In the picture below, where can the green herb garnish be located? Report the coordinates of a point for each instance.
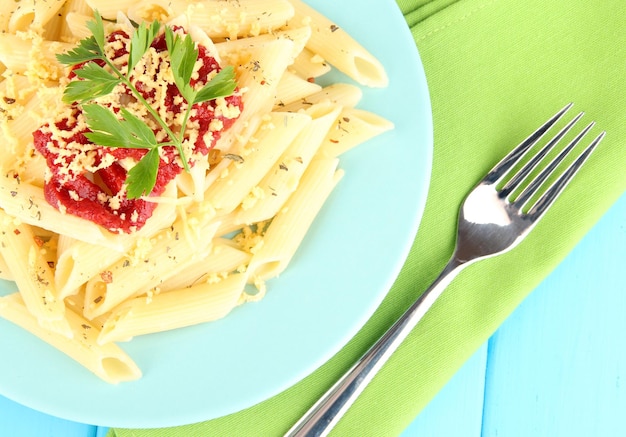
(107, 129)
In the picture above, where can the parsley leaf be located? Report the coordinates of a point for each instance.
(97, 29)
(222, 85)
(183, 57)
(108, 130)
(127, 130)
(140, 43)
(139, 130)
(142, 177)
(87, 50)
(97, 82)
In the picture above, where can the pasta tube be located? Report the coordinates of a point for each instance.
(353, 127)
(31, 271)
(268, 197)
(288, 228)
(336, 46)
(246, 170)
(201, 303)
(107, 361)
(152, 262)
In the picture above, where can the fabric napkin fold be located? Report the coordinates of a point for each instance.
(496, 70)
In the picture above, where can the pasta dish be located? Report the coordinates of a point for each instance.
(162, 160)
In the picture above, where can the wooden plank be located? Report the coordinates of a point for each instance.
(457, 409)
(556, 367)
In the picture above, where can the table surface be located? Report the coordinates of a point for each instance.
(554, 368)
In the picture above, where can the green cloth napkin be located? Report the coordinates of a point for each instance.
(496, 69)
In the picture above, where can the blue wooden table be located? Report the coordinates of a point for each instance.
(556, 367)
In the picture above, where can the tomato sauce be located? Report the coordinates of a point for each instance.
(87, 180)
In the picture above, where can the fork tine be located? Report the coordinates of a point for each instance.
(557, 188)
(524, 171)
(499, 171)
(532, 188)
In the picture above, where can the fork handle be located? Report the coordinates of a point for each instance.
(326, 412)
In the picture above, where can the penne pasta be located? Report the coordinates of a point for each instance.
(224, 258)
(79, 263)
(259, 71)
(340, 93)
(6, 9)
(245, 171)
(336, 46)
(292, 88)
(18, 53)
(5, 271)
(288, 228)
(32, 13)
(74, 16)
(107, 361)
(76, 26)
(240, 176)
(268, 197)
(310, 65)
(150, 10)
(19, 131)
(33, 275)
(200, 303)
(34, 170)
(353, 127)
(233, 20)
(109, 8)
(298, 36)
(149, 263)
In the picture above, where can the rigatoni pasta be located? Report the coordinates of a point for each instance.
(232, 222)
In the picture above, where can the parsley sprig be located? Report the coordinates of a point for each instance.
(130, 131)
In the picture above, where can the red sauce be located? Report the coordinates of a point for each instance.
(87, 180)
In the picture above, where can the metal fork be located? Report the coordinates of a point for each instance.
(493, 219)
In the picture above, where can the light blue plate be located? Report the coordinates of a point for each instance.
(343, 270)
